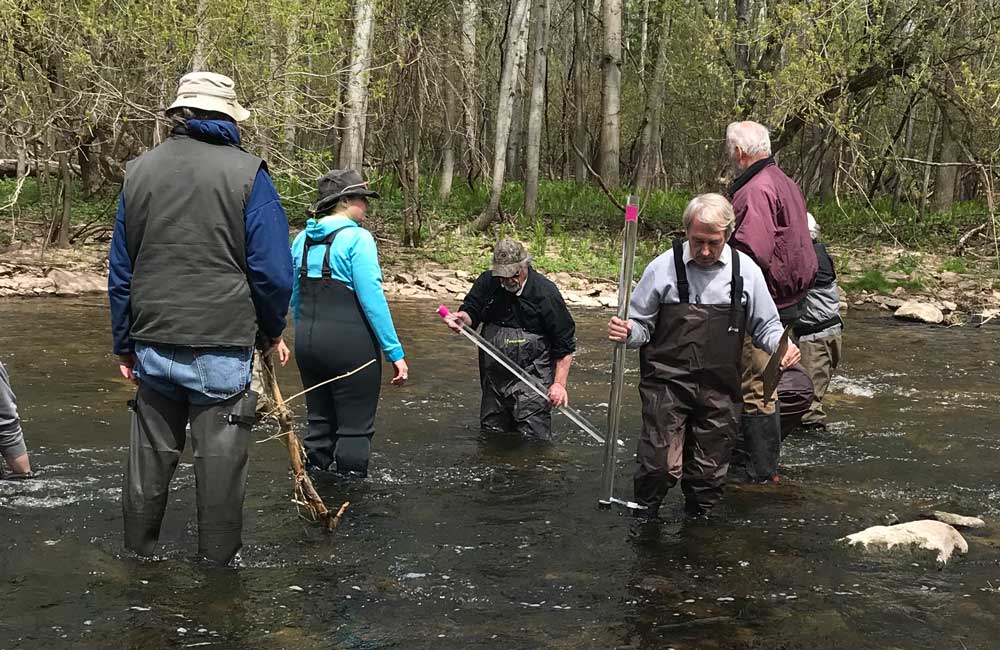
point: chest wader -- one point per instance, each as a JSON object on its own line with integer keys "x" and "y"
{"x": 691, "y": 397}
{"x": 333, "y": 337}
{"x": 507, "y": 403}
{"x": 220, "y": 436}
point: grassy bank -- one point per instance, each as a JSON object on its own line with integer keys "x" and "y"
{"x": 577, "y": 231}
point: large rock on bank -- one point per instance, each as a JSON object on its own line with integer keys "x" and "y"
{"x": 919, "y": 311}
{"x": 926, "y": 534}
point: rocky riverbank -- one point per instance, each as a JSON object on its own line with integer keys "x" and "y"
{"x": 925, "y": 293}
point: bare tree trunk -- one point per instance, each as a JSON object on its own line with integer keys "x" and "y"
{"x": 289, "y": 85}
{"x": 516, "y": 141}
{"x": 536, "y": 111}
{"x": 580, "y": 61}
{"x": 517, "y": 32}
{"x": 931, "y": 148}
{"x": 649, "y": 143}
{"x": 611, "y": 95}
{"x": 644, "y": 37}
{"x": 352, "y": 150}
{"x": 448, "y": 164}
{"x": 198, "y": 59}
{"x": 944, "y": 183}
{"x": 67, "y": 196}
{"x": 742, "y": 50}
{"x": 470, "y": 25}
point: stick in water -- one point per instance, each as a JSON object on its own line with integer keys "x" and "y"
{"x": 303, "y": 491}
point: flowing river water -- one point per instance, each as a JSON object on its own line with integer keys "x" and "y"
{"x": 461, "y": 541}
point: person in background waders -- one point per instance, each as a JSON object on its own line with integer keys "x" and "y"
{"x": 199, "y": 273}
{"x": 689, "y": 313}
{"x": 771, "y": 229}
{"x": 525, "y": 317}
{"x": 341, "y": 321}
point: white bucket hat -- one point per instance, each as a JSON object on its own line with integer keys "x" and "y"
{"x": 209, "y": 91}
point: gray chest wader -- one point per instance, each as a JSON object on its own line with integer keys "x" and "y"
{"x": 691, "y": 397}
{"x": 332, "y": 338}
{"x": 220, "y": 436}
{"x": 507, "y": 403}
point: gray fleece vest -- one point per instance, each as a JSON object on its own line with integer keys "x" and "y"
{"x": 186, "y": 236}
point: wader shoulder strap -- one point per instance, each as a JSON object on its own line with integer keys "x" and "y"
{"x": 736, "y": 296}
{"x": 309, "y": 242}
{"x": 682, "y": 280}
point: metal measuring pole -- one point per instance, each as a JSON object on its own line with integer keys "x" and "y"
{"x": 607, "y": 496}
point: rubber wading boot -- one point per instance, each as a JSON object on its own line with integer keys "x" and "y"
{"x": 351, "y": 454}
{"x": 156, "y": 440}
{"x": 757, "y": 450}
{"x": 221, "y": 440}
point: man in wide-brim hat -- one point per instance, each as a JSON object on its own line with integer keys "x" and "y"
{"x": 199, "y": 272}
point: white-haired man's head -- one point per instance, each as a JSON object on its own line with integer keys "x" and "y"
{"x": 746, "y": 143}
{"x": 708, "y": 221}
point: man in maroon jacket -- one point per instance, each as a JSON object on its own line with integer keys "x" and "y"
{"x": 771, "y": 228}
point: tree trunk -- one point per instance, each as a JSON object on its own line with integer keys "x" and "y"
{"x": 470, "y": 25}
{"x": 517, "y": 32}
{"x": 931, "y": 149}
{"x": 536, "y": 110}
{"x": 644, "y": 37}
{"x": 200, "y": 55}
{"x": 448, "y": 163}
{"x": 352, "y": 149}
{"x": 67, "y": 197}
{"x": 611, "y": 94}
{"x": 649, "y": 143}
{"x": 742, "y": 50}
{"x": 515, "y": 143}
{"x": 289, "y": 85}
{"x": 944, "y": 183}
{"x": 580, "y": 63}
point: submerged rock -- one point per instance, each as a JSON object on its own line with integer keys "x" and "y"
{"x": 927, "y": 534}
{"x": 959, "y": 521}
{"x": 919, "y": 311}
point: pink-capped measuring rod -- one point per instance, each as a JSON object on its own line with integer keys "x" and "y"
{"x": 607, "y": 495}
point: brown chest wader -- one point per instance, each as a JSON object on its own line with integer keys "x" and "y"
{"x": 691, "y": 397}
{"x": 220, "y": 437}
{"x": 332, "y": 338}
{"x": 507, "y": 403}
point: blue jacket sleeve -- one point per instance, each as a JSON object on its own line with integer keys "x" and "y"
{"x": 269, "y": 263}
{"x": 367, "y": 280}
{"x": 120, "y": 284}
{"x": 297, "y": 247}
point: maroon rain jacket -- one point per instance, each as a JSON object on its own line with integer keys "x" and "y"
{"x": 771, "y": 228}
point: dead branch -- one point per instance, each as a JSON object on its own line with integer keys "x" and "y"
{"x": 303, "y": 491}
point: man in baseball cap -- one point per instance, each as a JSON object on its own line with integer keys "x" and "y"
{"x": 199, "y": 271}
{"x": 525, "y": 317}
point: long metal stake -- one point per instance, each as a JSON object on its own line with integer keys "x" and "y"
{"x": 607, "y": 496}
{"x": 532, "y": 383}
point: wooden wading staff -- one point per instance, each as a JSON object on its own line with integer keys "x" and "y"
{"x": 304, "y": 494}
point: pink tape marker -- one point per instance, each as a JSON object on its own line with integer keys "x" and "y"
{"x": 443, "y": 311}
{"x": 631, "y": 213}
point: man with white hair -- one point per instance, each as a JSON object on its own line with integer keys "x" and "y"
{"x": 689, "y": 314}
{"x": 820, "y": 330}
{"x": 771, "y": 228}
{"x": 199, "y": 271}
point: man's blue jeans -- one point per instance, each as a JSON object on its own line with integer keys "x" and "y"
{"x": 200, "y": 376}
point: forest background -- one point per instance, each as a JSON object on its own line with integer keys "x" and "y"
{"x": 535, "y": 118}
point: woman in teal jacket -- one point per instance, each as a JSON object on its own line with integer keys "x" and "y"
{"x": 342, "y": 320}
